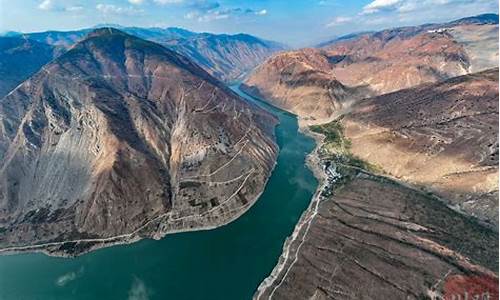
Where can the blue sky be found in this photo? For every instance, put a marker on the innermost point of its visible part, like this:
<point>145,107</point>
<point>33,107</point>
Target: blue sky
<point>294,22</point>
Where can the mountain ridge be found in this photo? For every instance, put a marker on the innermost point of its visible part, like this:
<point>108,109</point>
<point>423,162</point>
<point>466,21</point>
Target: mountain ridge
<point>225,56</point>
<point>369,64</point>
<point>120,139</point>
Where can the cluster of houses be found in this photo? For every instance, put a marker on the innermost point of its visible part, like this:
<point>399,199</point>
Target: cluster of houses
<point>332,176</point>
<point>439,30</point>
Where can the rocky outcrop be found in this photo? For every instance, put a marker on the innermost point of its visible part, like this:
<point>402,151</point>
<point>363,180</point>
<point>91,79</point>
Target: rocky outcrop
<point>391,60</point>
<point>120,138</point>
<point>441,136</point>
<point>19,59</point>
<point>395,59</point>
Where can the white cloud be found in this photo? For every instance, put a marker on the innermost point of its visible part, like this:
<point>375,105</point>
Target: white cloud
<point>211,13</point>
<point>46,5</point>
<point>136,2</point>
<point>433,6</point>
<point>55,5</point>
<point>261,12</point>
<point>339,21</point>
<point>74,8</point>
<point>391,13</point>
<point>380,5</point>
<point>118,10</point>
<point>209,16</point>
<point>163,2</point>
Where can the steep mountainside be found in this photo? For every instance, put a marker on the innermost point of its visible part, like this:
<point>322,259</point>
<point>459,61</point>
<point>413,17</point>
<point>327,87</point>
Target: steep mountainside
<point>66,39</point>
<point>226,57</point>
<point>376,239</point>
<point>19,59</point>
<point>391,60</point>
<point>302,82</point>
<point>443,136</point>
<point>395,59</point>
<point>120,138</point>
<point>379,62</point>
<point>61,39</point>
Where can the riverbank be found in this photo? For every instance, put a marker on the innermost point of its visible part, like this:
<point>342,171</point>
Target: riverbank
<point>309,253</point>
<point>290,248</point>
<point>230,261</point>
<point>156,228</point>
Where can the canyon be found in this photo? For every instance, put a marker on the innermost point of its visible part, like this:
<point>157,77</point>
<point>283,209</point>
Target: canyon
<point>119,134</point>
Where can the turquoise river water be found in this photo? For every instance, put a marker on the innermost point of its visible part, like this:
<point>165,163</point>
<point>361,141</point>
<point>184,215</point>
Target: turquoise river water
<point>224,263</point>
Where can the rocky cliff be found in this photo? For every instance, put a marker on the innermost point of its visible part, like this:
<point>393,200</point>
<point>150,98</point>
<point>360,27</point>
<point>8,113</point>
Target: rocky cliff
<point>227,57</point>
<point>120,138</point>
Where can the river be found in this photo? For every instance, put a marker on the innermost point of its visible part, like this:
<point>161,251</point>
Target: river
<point>224,263</point>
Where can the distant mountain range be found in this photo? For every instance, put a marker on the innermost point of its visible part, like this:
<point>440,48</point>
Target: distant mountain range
<point>227,57</point>
<point>483,19</point>
<point>316,83</point>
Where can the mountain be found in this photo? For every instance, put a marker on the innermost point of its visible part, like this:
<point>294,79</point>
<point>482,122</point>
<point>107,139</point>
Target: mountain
<point>159,35</point>
<point>19,59</point>
<point>61,39</point>
<point>227,57</point>
<point>400,240</point>
<point>452,124</point>
<point>120,138</point>
<point>301,82</point>
<point>349,36</point>
<point>484,19</point>
<point>418,54</point>
<point>378,62</point>
<point>478,20</point>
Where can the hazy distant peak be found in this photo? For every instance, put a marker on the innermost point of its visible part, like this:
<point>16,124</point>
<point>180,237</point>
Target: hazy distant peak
<point>104,31</point>
<point>479,19</point>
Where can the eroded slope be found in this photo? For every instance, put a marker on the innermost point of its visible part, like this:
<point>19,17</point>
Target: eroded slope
<point>303,83</point>
<point>120,138</point>
<point>376,239</point>
<point>442,136</point>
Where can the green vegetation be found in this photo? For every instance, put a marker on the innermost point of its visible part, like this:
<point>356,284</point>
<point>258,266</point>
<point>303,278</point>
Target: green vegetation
<point>337,147</point>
